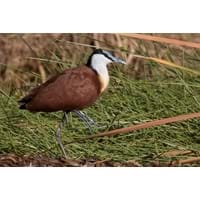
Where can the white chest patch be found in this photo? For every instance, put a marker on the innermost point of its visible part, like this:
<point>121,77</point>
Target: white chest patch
<point>99,64</point>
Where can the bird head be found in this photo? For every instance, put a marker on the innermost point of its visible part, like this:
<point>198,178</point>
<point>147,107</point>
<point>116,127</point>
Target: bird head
<point>102,57</point>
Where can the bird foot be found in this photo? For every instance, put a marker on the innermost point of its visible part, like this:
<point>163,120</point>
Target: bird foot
<point>87,120</point>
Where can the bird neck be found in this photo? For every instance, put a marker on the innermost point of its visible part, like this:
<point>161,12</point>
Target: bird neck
<point>99,63</point>
<point>101,70</point>
<point>103,76</point>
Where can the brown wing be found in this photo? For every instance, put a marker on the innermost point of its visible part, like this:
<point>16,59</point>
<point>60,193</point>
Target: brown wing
<point>32,93</point>
<point>75,88</point>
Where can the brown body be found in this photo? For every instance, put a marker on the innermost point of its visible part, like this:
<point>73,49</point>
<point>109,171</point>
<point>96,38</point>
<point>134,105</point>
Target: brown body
<point>74,89</point>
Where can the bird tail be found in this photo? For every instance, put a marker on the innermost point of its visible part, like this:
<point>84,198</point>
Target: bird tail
<point>23,102</point>
<point>22,106</point>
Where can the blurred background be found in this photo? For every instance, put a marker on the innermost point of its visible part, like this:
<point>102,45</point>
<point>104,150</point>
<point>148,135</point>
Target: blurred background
<point>22,56</point>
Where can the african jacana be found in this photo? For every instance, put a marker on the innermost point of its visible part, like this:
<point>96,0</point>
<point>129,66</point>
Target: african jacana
<point>72,90</point>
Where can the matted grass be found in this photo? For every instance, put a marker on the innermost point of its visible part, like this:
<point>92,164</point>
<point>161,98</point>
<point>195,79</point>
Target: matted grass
<point>127,101</point>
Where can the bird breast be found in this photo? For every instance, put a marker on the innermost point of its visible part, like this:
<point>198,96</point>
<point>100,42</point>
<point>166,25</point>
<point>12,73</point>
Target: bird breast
<point>104,81</point>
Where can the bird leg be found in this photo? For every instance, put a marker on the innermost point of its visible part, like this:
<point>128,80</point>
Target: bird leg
<point>88,121</point>
<point>58,133</point>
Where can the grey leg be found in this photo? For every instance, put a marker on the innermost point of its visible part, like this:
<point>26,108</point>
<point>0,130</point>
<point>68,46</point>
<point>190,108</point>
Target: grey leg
<point>58,134</point>
<point>88,121</point>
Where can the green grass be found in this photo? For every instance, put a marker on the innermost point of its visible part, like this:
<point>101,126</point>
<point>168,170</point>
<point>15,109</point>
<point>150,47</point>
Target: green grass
<point>127,101</point>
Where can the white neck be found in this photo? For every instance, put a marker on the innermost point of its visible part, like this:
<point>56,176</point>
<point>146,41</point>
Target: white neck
<point>99,64</point>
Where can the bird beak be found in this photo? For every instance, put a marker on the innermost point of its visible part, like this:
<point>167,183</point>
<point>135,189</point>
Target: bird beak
<point>118,60</point>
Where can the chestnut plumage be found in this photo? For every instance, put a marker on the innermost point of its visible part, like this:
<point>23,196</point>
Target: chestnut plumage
<point>72,90</point>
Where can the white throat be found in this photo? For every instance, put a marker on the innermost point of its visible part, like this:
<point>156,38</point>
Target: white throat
<point>99,64</point>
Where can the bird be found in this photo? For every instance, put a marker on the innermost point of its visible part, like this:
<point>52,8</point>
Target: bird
<point>72,90</point>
